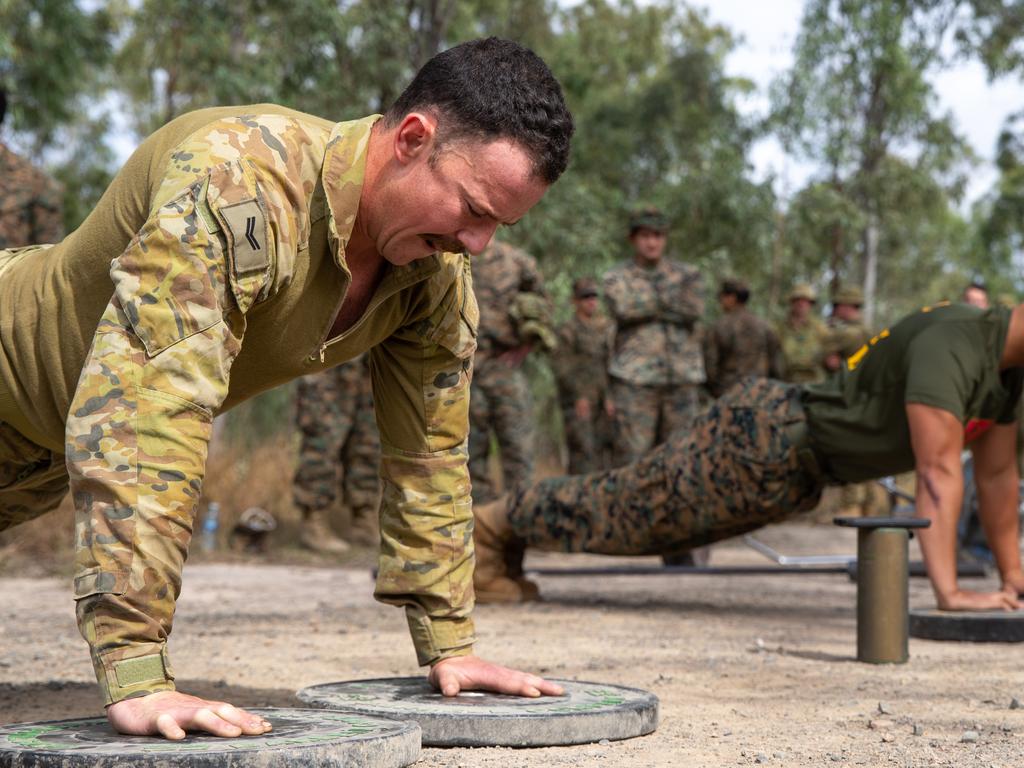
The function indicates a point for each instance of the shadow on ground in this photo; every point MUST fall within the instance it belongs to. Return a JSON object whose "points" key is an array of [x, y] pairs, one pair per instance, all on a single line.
{"points": [[59, 699]]}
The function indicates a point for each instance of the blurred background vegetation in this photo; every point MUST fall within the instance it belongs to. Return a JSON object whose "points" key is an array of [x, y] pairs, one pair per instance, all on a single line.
{"points": [[657, 120]]}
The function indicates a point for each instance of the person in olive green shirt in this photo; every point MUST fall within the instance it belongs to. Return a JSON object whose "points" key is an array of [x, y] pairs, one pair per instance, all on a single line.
{"points": [[237, 249], [802, 338], [942, 379]]}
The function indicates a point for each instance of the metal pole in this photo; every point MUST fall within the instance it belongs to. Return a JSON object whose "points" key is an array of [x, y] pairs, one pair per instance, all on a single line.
{"points": [[882, 595]]}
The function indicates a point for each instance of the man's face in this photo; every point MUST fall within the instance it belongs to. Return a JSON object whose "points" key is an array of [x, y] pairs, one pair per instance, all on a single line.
{"points": [[451, 199], [850, 312], [800, 309], [648, 244], [586, 305], [976, 297], [727, 301]]}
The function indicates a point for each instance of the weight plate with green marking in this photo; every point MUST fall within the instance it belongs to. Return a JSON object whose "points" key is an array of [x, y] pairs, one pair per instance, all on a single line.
{"points": [[586, 712], [301, 738]]}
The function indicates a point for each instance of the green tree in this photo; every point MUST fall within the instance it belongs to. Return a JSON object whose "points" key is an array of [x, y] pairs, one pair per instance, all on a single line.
{"points": [[857, 102]]}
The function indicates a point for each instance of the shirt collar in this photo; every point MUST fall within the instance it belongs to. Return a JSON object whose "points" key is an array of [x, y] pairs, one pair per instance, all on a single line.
{"points": [[342, 175]]}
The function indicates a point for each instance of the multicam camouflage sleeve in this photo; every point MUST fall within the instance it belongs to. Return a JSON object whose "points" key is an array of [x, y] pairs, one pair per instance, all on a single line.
{"points": [[421, 378], [140, 421]]}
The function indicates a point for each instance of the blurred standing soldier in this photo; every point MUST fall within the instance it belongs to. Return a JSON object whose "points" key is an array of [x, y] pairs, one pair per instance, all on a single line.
{"points": [[30, 201], [514, 315], [739, 344], [976, 294], [584, 342], [846, 330], [656, 363], [846, 335], [802, 338], [339, 452]]}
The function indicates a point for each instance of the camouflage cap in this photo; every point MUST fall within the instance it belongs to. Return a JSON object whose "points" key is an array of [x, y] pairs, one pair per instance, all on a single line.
{"points": [[803, 291], [584, 288], [850, 294], [648, 217]]}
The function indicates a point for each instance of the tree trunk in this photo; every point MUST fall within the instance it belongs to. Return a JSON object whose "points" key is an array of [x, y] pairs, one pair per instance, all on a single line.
{"points": [[870, 268]]}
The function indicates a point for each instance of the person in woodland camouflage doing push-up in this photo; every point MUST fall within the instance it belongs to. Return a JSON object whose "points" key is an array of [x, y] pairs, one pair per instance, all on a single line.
{"points": [[911, 398]]}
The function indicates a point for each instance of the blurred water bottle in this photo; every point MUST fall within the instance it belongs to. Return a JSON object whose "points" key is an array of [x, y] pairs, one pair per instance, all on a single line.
{"points": [[208, 539]]}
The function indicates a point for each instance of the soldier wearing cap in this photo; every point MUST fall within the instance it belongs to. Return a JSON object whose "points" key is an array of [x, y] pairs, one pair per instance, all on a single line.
{"points": [[802, 338], [657, 364], [584, 342], [846, 330], [739, 344], [847, 336], [975, 293], [30, 201]]}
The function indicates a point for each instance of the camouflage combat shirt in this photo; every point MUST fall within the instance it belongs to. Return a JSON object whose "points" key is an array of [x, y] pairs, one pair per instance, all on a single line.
{"points": [[655, 310], [739, 344], [30, 203], [502, 275], [803, 350], [946, 357], [580, 367], [220, 249]]}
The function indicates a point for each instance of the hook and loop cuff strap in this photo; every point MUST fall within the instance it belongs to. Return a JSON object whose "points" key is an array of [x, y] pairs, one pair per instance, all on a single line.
{"points": [[436, 638], [129, 678]]}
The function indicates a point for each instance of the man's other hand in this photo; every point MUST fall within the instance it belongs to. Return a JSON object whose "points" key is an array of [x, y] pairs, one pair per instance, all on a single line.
{"points": [[968, 600], [170, 714], [469, 673]]}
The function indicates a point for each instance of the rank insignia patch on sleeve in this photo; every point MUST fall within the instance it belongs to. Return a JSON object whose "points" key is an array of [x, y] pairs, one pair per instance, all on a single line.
{"points": [[247, 226]]}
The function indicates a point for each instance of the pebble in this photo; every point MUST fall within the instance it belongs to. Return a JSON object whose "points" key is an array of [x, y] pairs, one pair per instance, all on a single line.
{"points": [[969, 737], [1014, 703], [888, 737], [604, 742], [879, 725], [761, 758], [835, 758], [884, 709], [918, 730]]}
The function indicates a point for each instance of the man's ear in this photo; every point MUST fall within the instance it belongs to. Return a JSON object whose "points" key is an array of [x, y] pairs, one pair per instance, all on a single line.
{"points": [[415, 137]]}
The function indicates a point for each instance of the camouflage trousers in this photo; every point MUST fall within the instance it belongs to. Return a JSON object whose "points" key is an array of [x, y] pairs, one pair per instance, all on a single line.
{"points": [[340, 447], [645, 416], [33, 480], [741, 464], [589, 441], [499, 404]]}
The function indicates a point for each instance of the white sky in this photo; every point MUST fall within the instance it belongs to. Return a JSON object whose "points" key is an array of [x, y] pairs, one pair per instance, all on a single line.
{"points": [[768, 31]]}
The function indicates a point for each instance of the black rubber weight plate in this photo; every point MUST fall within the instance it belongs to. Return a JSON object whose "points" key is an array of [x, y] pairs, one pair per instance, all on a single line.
{"points": [[971, 627], [587, 712], [303, 738]]}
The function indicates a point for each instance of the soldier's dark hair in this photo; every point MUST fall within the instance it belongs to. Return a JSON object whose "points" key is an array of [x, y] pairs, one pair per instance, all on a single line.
{"points": [[732, 288], [493, 89]]}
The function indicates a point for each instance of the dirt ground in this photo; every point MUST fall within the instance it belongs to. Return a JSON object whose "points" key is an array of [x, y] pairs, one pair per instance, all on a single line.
{"points": [[749, 670]]}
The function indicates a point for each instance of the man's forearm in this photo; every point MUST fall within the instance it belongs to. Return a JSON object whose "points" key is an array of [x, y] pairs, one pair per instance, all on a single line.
{"points": [[938, 498], [998, 503]]}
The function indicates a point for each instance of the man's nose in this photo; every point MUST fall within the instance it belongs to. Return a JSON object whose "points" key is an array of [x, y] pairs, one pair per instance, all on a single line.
{"points": [[475, 238]]}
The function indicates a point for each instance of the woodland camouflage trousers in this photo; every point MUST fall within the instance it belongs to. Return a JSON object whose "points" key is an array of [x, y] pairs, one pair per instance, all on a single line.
{"points": [[742, 463]]}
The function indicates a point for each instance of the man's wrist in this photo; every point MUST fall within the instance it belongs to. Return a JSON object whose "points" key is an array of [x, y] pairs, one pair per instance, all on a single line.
{"points": [[437, 638], [127, 673]]}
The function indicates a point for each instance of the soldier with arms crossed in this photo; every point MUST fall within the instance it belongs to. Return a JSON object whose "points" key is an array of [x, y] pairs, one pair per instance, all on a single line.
{"points": [[942, 379], [237, 249]]}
